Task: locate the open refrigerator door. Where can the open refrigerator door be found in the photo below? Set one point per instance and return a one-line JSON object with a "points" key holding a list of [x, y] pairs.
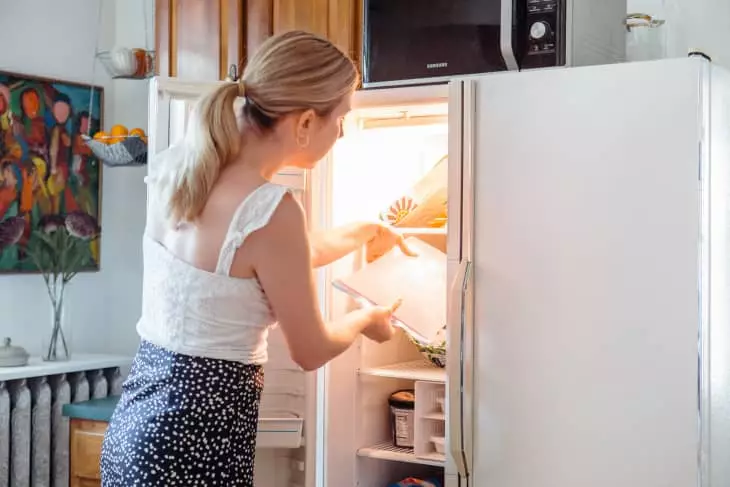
{"points": [[382, 411]]}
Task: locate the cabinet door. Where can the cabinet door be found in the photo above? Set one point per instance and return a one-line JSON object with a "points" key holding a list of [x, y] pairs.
{"points": [[345, 26], [199, 39], [337, 20], [309, 15]]}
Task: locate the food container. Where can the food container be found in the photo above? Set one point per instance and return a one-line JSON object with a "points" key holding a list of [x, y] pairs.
{"points": [[402, 417], [434, 352], [123, 61], [439, 444]]}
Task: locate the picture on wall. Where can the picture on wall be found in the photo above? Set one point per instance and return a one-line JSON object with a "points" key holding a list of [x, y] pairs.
{"points": [[46, 170]]}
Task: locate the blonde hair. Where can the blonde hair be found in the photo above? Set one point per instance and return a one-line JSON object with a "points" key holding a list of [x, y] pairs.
{"points": [[291, 72]]}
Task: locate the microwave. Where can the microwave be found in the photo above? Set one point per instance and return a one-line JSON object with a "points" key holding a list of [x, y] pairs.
{"points": [[408, 42]]}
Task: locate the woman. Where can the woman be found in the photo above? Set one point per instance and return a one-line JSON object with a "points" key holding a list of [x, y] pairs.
{"points": [[226, 253]]}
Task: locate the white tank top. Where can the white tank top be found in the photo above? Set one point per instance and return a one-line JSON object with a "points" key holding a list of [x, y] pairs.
{"points": [[195, 312]]}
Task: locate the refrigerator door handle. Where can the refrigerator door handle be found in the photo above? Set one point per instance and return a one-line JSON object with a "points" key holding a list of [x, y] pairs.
{"points": [[505, 36], [455, 365]]}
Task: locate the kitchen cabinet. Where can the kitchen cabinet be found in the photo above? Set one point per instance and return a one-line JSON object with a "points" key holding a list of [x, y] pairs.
{"points": [[200, 40], [88, 423], [85, 451], [337, 20]]}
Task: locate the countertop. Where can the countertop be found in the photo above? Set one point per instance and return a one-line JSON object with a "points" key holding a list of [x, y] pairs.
{"points": [[93, 410]]}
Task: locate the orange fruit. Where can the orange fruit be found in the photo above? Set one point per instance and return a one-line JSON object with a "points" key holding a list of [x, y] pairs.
{"points": [[119, 131], [137, 132], [101, 137]]}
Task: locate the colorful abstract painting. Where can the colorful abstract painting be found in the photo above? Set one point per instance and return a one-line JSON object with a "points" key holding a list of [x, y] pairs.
{"points": [[46, 170]]}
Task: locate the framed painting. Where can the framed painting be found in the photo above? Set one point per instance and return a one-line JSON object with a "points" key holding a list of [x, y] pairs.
{"points": [[46, 170]]}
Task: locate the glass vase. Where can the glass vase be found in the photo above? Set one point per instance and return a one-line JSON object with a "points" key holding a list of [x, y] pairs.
{"points": [[56, 344]]}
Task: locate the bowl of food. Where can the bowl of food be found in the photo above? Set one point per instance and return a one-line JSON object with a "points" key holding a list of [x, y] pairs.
{"points": [[433, 352]]}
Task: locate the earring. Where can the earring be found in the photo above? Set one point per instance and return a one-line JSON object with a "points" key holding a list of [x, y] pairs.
{"points": [[305, 144]]}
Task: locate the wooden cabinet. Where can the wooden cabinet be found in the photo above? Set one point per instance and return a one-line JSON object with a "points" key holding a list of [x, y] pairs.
{"points": [[337, 20], [86, 438], [200, 39]]}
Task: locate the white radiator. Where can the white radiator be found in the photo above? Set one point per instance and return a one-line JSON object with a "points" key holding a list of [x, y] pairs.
{"points": [[34, 436]]}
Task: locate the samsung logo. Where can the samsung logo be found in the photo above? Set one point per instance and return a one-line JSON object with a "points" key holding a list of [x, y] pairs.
{"points": [[436, 65]]}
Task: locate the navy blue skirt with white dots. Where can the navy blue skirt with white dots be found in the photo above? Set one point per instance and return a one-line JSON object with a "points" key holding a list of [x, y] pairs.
{"points": [[183, 421]]}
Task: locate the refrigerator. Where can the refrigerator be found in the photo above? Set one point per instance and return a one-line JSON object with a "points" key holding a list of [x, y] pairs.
{"points": [[588, 283]]}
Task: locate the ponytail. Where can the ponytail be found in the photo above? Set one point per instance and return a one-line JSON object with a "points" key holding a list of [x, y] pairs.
{"points": [[289, 73], [212, 141]]}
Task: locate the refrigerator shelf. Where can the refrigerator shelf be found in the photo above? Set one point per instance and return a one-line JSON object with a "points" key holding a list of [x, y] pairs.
{"points": [[415, 370], [386, 451]]}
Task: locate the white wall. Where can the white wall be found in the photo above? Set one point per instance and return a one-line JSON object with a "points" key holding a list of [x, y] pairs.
{"points": [[124, 238], [57, 39]]}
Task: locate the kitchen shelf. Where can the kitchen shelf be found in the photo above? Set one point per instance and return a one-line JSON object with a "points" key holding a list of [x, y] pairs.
{"points": [[77, 363], [416, 370], [386, 451]]}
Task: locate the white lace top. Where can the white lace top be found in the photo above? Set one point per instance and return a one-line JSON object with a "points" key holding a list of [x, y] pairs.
{"points": [[195, 312]]}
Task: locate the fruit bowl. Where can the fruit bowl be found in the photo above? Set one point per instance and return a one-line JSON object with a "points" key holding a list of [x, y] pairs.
{"points": [[128, 150]]}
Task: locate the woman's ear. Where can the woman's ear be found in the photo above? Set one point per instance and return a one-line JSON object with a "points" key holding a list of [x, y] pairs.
{"points": [[304, 127]]}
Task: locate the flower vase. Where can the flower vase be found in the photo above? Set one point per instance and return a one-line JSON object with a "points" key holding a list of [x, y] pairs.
{"points": [[56, 342]]}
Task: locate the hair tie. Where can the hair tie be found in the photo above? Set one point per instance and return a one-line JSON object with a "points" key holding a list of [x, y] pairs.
{"points": [[241, 89]]}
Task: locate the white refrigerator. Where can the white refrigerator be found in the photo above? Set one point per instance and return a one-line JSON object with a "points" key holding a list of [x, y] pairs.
{"points": [[588, 322]]}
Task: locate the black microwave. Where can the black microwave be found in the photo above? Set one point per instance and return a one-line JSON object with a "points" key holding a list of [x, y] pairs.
{"points": [[429, 41]]}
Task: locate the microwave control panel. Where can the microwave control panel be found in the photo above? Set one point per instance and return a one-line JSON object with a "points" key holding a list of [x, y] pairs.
{"points": [[540, 35]]}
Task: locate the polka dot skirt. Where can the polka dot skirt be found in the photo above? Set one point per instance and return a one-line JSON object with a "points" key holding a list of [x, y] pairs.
{"points": [[183, 421]]}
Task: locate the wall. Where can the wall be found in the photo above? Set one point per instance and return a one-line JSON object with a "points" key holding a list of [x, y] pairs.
{"points": [[58, 40], [124, 238]]}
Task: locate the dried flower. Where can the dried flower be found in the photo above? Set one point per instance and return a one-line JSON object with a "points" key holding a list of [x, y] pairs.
{"points": [[82, 225], [51, 223], [11, 230]]}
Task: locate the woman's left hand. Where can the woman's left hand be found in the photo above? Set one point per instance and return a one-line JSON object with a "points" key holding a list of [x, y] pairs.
{"points": [[386, 237]]}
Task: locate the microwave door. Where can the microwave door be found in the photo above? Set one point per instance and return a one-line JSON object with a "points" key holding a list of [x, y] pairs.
{"points": [[409, 42]]}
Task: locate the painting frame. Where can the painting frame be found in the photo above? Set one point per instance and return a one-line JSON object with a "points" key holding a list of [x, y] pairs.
{"points": [[81, 167]]}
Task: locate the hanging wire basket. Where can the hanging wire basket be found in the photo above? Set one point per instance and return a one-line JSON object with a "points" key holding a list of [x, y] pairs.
{"points": [[129, 151], [128, 63]]}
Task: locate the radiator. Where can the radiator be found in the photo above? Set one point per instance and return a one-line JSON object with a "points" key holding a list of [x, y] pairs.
{"points": [[34, 436]]}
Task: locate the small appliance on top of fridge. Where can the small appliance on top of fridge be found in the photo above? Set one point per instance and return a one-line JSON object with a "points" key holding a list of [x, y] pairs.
{"points": [[412, 42], [584, 222]]}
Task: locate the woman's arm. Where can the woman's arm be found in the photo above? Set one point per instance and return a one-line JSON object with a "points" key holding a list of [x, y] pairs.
{"points": [[331, 245], [282, 261]]}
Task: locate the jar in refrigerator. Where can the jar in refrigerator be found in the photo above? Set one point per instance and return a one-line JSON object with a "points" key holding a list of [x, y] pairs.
{"points": [[402, 417]]}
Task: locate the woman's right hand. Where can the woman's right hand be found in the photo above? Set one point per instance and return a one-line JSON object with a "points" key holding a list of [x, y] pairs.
{"points": [[381, 329]]}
